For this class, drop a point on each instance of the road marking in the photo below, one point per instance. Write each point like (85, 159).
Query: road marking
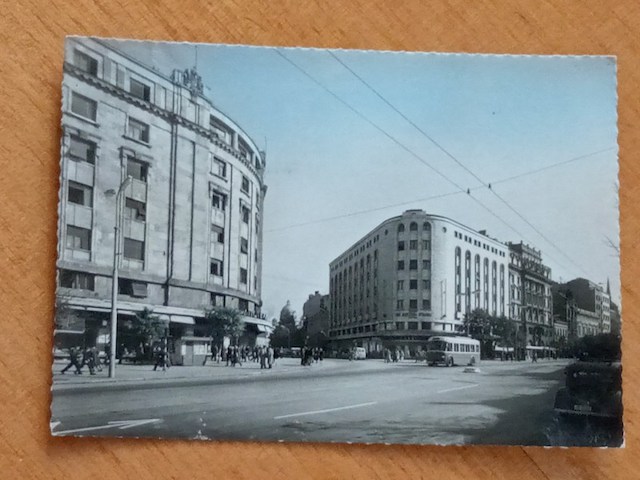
(457, 388)
(120, 424)
(336, 409)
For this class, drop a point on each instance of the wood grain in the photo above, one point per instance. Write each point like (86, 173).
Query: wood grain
(32, 34)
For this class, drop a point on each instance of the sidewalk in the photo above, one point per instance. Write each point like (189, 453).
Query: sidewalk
(141, 376)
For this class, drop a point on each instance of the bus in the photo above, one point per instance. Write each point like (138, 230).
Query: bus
(452, 351)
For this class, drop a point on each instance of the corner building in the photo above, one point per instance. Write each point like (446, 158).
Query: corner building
(414, 276)
(191, 234)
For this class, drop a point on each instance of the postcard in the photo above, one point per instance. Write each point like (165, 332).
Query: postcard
(317, 245)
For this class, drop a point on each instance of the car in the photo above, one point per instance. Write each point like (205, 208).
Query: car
(592, 389)
(359, 353)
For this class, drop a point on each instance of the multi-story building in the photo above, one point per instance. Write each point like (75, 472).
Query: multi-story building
(191, 229)
(584, 305)
(414, 276)
(316, 318)
(531, 306)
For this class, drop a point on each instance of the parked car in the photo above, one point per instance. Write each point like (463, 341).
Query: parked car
(359, 353)
(592, 389)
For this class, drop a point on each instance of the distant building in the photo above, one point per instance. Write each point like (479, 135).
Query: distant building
(414, 276)
(530, 294)
(584, 306)
(191, 232)
(316, 315)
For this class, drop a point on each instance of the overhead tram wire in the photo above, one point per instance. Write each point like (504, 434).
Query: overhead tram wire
(458, 162)
(433, 197)
(404, 147)
(362, 212)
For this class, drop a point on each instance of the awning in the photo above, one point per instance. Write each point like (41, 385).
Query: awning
(164, 317)
(68, 332)
(262, 328)
(183, 319)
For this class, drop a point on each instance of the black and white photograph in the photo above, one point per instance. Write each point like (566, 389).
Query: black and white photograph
(327, 245)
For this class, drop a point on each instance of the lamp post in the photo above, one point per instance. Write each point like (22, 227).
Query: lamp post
(114, 283)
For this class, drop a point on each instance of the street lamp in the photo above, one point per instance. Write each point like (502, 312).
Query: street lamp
(114, 283)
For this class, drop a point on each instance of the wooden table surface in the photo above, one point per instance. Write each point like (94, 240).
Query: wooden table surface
(32, 34)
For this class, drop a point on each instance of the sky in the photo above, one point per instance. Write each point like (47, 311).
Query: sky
(356, 137)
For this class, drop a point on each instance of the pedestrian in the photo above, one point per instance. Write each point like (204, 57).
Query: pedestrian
(229, 354)
(270, 356)
(161, 361)
(73, 362)
(321, 353)
(534, 357)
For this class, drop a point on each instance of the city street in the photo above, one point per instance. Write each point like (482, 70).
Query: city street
(366, 401)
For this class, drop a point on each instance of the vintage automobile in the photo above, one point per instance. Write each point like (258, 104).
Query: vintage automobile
(592, 389)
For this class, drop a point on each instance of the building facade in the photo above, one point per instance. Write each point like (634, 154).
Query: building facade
(414, 276)
(585, 306)
(316, 315)
(531, 303)
(191, 218)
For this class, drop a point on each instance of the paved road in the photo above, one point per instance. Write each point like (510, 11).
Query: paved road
(505, 403)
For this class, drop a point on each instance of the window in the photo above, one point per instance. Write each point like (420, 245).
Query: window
(426, 226)
(218, 167)
(135, 210)
(83, 106)
(413, 244)
(400, 285)
(243, 305)
(426, 304)
(85, 62)
(412, 325)
(133, 249)
(138, 130)
(413, 284)
(413, 264)
(137, 169)
(426, 326)
(139, 89)
(400, 264)
(215, 267)
(413, 304)
(245, 214)
(244, 245)
(77, 280)
(245, 184)
(426, 284)
(400, 305)
(426, 264)
(217, 299)
(401, 228)
(426, 244)
(243, 275)
(132, 288)
(80, 194)
(219, 201)
(400, 246)
(413, 227)
(399, 325)
(81, 150)
(217, 233)
(78, 238)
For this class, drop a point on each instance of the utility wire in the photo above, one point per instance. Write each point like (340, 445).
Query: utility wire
(404, 147)
(394, 139)
(361, 212)
(433, 197)
(458, 162)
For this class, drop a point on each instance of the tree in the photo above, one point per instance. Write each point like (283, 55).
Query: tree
(224, 322)
(146, 329)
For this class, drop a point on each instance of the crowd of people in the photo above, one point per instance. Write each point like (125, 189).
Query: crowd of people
(311, 355)
(237, 355)
(393, 355)
(79, 358)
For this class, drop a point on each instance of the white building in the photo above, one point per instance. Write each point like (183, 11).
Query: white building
(413, 276)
